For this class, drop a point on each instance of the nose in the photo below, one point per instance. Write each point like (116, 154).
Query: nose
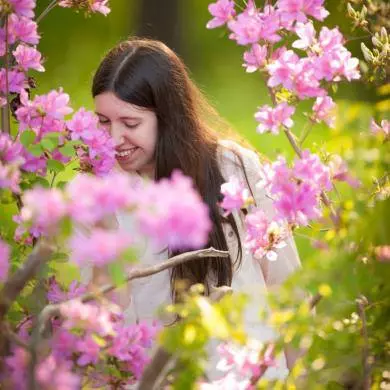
(117, 134)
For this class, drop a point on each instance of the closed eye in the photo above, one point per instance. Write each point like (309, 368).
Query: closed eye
(131, 126)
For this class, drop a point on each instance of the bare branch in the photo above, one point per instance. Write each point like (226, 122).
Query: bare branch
(16, 282)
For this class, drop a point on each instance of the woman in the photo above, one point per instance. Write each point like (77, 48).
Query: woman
(158, 119)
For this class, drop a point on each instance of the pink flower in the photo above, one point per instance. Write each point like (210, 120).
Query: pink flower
(16, 81)
(282, 69)
(88, 317)
(93, 5)
(34, 164)
(43, 209)
(45, 113)
(383, 129)
(310, 169)
(10, 177)
(271, 119)
(339, 171)
(82, 122)
(28, 58)
(10, 151)
(177, 222)
(298, 10)
(56, 294)
(92, 198)
(131, 344)
(4, 261)
(307, 33)
(100, 6)
(251, 26)
(222, 11)
(255, 58)
(56, 374)
(22, 29)
(298, 204)
(235, 195)
(89, 351)
(263, 236)
(23, 7)
(324, 110)
(16, 367)
(330, 40)
(100, 247)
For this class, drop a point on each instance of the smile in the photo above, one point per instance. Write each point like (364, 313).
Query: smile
(125, 153)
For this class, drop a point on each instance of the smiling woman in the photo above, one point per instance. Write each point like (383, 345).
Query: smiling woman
(159, 121)
(134, 130)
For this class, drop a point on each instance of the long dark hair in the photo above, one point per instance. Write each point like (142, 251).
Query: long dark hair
(147, 73)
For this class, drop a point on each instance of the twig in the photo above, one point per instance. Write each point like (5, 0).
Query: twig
(138, 273)
(15, 284)
(46, 11)
(361, 303)
(13, 337)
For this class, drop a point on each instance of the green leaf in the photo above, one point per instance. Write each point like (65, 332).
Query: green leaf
(67, 150)
(55, 166)
(61, 184)
(27, 137)
(117, 273)
(49, 143)
(42, 182)
(36, 150)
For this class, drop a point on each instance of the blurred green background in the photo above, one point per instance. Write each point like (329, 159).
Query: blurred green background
(73, 46)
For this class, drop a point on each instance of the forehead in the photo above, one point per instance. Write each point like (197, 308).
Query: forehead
(109, 105)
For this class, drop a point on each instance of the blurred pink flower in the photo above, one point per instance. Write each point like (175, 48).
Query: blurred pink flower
(263, 237)
(271, 119)
(22, 29)
(28, 58)
(222, 11)
(100, 247)
(23, 7)
(235, 195)
(324, 109)
(16, 81)
(177, 222)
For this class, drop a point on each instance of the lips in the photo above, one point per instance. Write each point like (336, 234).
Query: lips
(125, 154)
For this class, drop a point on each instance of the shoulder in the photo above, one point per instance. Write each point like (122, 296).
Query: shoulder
(234, 158)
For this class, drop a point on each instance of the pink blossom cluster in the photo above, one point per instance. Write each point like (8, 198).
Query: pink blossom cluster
(304, 77)
(241, 363)
(77, 344)
(56, 294)
(87, 316)
(20, 32)
(235, 195)
(271, 119)
(100, 156)
(4, 260)
(264, 237)
(177, 222)
(10, 161)
(100, 6)
(296, 191)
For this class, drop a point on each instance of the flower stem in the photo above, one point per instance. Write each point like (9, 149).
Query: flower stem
(51, 6)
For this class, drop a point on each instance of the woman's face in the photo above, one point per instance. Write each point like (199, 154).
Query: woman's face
(134, 130)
